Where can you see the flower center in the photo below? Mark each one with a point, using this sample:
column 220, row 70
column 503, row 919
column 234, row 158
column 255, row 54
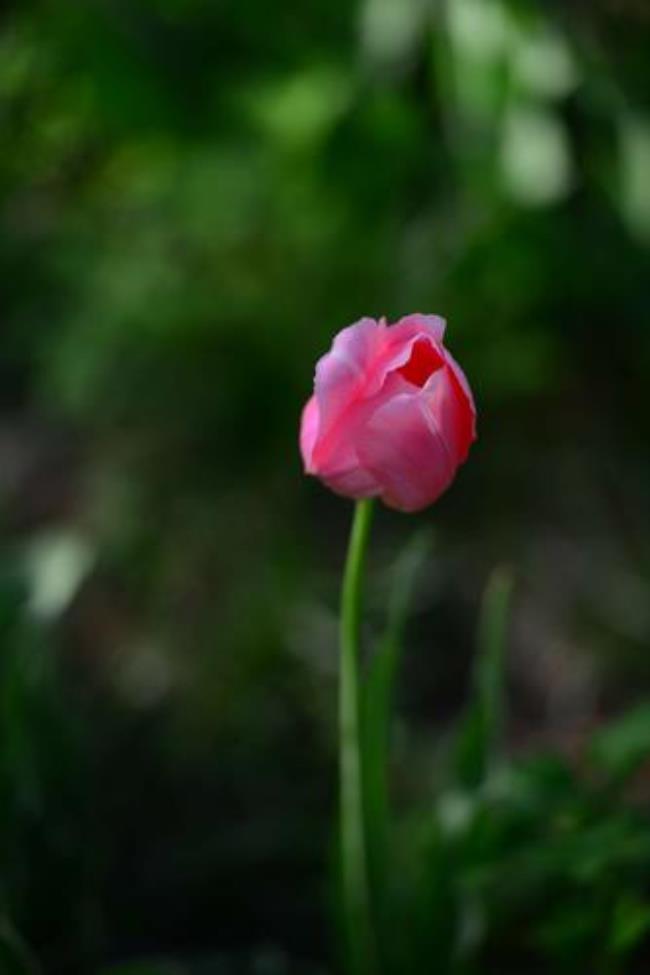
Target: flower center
column 423, row 362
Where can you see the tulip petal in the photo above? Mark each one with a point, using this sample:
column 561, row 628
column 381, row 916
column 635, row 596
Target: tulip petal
column 355, row 482
column 453, row 412
column 415, row 359
column 308, row 432
column 403, row 449
column 342, row 373
column 336, row 457
column 425, row 359
column 428, row 325
column 464, row 395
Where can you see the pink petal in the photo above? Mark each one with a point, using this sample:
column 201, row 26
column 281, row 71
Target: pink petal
column 452, row 413
column 397, row 357
column 308, row 432
column 425, row 359
column 465, row 394
column 356, row 482
column 411, row 325
column 357, row 366
column 336, row 459
column 343, row 372
column 403, row 449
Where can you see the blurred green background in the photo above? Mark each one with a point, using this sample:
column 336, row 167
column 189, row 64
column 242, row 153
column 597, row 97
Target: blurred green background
column 194, row 197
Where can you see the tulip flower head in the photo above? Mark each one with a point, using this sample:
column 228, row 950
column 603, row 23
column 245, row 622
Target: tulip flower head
column 392, row 415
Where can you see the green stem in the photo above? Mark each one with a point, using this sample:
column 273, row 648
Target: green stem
column 354, row 852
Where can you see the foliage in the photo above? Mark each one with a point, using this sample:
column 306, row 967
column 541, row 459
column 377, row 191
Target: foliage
column 535, row 865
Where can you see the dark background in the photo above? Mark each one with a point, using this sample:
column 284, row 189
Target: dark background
column 194, row 197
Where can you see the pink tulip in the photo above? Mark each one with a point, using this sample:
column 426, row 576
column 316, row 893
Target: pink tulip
column 392, row 415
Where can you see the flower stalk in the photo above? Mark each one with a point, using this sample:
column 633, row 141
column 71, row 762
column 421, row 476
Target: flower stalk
column 353, row 833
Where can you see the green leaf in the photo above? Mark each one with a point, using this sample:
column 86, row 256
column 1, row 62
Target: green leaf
column 480, row 734
column 630, row 923
column 621, row 747
column 377, row 694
